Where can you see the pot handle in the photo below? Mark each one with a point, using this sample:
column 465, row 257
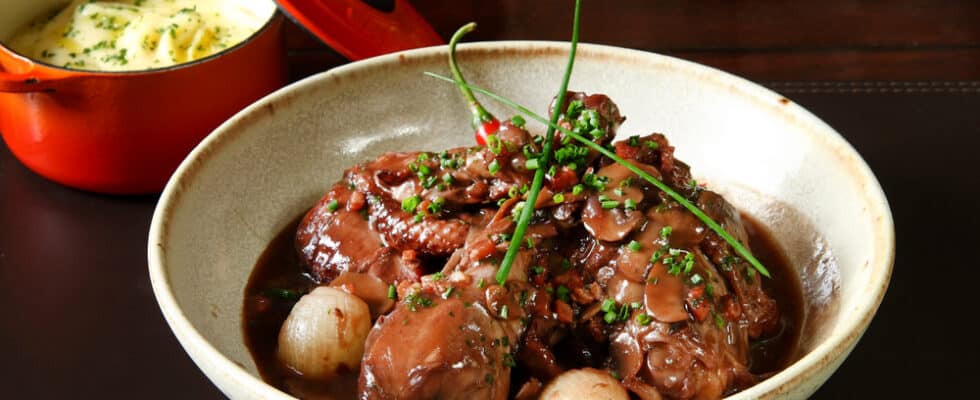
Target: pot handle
column 357, row 30
column 27, row 83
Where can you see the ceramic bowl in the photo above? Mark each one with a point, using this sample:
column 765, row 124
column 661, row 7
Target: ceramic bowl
column 271, row 162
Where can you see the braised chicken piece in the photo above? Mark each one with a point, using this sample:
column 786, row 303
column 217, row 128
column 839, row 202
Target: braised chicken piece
column 613, row 276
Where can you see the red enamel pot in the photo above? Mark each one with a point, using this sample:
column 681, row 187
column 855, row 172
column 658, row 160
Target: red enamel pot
column 126, row 132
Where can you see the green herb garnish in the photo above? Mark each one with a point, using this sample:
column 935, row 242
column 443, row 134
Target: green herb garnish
column 409, row 204
column 634, row 246
column 714, row 226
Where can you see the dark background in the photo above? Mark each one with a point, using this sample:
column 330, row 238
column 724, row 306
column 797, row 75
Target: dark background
column 900, row 80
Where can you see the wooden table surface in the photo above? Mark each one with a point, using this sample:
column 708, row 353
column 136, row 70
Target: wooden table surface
column 900, row 80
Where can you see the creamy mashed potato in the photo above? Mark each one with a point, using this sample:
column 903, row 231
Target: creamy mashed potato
column 128, row 35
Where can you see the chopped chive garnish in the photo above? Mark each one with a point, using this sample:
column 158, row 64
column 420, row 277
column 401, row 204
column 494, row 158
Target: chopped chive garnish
column 574, row 109
column 562, row 293
column 448, row 292
column 666, row 231
column 409, row 204
column 634, row 246
column 494, row 167
column 719, row 321
column 643, row 319
column 608, row 305
column 532, row 164
column 558, row 198
column 504, row 312
column 392, row 293
column 333, row 205
column 689, row 263
column 610, row 317
column 629, row 204
column 657, row 255
column 436, row 205
column 494, row 144
column 518, row 121
column 609, row 204
column 577, row 189
column 714, row 226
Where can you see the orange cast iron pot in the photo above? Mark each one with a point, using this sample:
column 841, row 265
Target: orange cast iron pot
column 126, row 132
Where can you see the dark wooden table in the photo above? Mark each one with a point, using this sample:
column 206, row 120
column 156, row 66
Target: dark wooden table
column 900, row 81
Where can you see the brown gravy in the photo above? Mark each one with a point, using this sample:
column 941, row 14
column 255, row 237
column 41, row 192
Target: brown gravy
column 279, row 269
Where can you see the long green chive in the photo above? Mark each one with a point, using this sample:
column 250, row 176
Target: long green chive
column 532, row 196
column 739, row 248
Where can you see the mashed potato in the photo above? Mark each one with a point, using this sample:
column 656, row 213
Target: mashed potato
column 129, row 35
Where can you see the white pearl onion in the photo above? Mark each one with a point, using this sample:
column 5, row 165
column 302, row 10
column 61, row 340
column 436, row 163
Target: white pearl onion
column 325, row 330
column 586, row 383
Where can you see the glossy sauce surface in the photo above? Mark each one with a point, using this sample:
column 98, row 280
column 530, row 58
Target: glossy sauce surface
column 266, row 307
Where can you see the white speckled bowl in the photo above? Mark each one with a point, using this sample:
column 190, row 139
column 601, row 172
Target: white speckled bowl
column 272, row 161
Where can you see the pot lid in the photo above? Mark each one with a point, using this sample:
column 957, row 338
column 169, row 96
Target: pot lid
column 360, row 29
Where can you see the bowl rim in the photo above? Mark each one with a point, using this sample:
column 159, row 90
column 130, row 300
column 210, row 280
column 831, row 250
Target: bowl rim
column 833, row 349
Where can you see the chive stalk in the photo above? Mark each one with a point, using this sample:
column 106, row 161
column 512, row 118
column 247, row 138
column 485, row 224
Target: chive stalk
column 532, row 195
